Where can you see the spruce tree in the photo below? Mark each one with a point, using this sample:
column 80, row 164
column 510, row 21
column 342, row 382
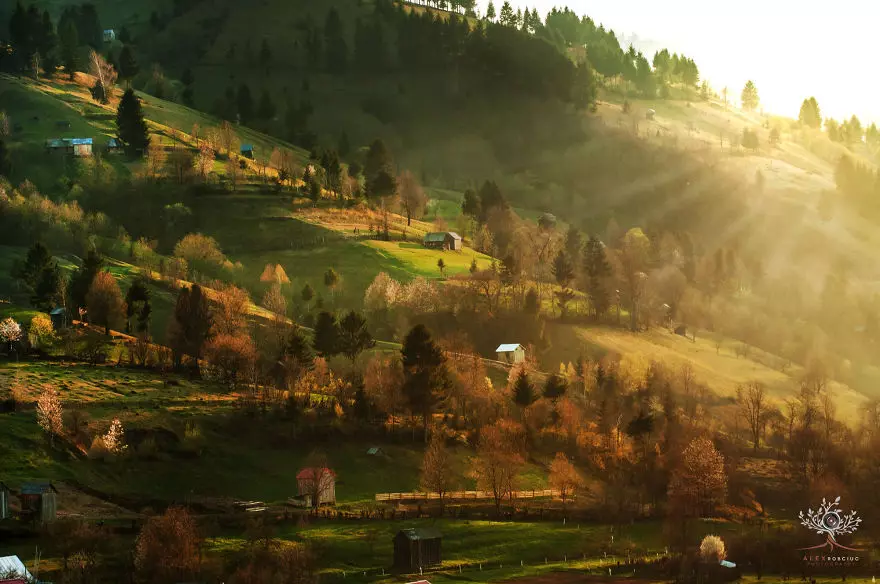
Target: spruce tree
column 425, row 374
column 128, row 66
column 523, row 390
column 244, row 103
column 5, row 162
column 131, row 125
column 326, row 341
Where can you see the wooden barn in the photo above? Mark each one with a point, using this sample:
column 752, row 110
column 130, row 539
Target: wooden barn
column 318, row 483
column 511, row 353
column 417, row 548
column 447, row 240
column 39, row 501
column 247, row 150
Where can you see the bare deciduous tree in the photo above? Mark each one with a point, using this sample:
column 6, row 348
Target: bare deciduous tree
column 411, row 195
column 751, row 400
column 437, row 474
column 167, row 548
column 564, row 477
column 103, row 72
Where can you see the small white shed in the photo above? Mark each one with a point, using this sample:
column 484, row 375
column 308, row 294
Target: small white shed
column 511, row 353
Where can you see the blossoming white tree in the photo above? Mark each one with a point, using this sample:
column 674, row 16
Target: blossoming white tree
column 10, row 331
column 49, row 412
column 114, row 439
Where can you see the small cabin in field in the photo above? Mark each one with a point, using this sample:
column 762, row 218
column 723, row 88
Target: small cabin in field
column 650, row 114
column 511, row 353
column 79, row 147
column 247, row 150
column 39, row 501
column 446, row 240
column 109, row 35
column 319, row 483
column 417, row 548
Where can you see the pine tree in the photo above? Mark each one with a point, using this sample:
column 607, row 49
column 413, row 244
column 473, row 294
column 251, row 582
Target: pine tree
column 266, row 109
column 555, row 387
column 128, row 66
column 354, row 338
column 810, row 115
column 130, row 124
column 5, row 162
column 244, row 104
column 82, row 278
column 749, row 96
column 69, row 39
column 490, row 12
column 425, row 374
column 523, row 390
column 191, row 323
column 334, row 38
column 507, row 18
column 597, row 269
column 326, row 341
column 137, row 305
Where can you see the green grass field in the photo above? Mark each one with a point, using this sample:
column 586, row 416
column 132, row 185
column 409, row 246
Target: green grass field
column 716, row 365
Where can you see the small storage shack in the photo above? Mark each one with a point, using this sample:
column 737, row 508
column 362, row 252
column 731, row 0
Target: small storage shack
column 511, row 353
column 443, row 240
column 417, row 548
column 39, row 501
column 59, row 318
column 319, row 483
column 247, row 150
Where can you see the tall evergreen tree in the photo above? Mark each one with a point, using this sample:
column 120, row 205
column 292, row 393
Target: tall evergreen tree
column 266, row 108
column 5, row 161
column 425, row 374
column 326, row 341
column 810, row 115
column 749, row 97
column 490, row 12
column 82, row 278
column 69, row 46
column 354, row 338
column 137, row 305
column 130, row 124
column 334, row 39
column 40, row 275
column 597, row 270
column 244, row 103
column 523, row 390
column 128, row 66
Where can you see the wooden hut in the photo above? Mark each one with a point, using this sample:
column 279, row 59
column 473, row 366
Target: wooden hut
column 319, row 483
column 443, row 240
column 511, row 353
column 39, row 501
column 417, row 548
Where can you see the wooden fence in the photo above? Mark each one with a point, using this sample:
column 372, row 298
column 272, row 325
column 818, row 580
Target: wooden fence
column 469, row 495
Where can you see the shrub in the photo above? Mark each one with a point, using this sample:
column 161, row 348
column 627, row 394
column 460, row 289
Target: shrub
column 40, row 333
column 98, row 450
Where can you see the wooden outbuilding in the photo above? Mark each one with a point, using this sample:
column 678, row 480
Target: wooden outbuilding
column 318, row 483
column 446, row 240
column 511, row 353
column 247, row 150
column 417, row 548
column 59, row 318
column 39, row 501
